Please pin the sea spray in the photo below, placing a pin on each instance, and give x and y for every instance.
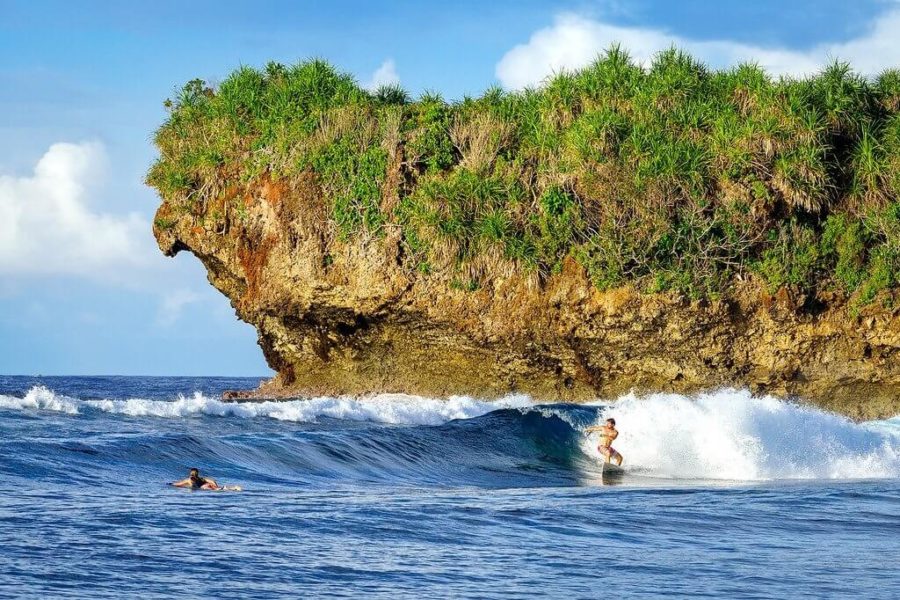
(398, 409)
(731, 434)
(41, 398)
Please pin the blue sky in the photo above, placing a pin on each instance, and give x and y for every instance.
(83, 289)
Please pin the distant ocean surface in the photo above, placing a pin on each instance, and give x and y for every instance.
(725, 495)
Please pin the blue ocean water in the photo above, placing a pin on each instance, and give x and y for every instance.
(724, 495)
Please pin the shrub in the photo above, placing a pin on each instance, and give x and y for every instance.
(673, 176)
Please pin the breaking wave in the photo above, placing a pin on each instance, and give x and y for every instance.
(382, 408)
(730, 434)
(724, 435)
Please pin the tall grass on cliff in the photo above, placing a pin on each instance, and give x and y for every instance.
(669, 176)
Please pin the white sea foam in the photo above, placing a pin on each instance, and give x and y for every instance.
(40, 398)
(381, 408)
(730, 434)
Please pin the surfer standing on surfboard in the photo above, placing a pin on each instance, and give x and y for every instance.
(608, 433)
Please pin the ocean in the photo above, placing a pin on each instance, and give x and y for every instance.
(724, 495)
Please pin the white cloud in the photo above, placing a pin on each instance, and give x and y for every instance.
(173, 304)
(47, 225)
(50, 227)
(574, 41)
(386, 74)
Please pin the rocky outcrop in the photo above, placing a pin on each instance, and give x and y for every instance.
(354, 317)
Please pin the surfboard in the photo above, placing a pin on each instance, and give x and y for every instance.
(612, 469)
(611, 474)
(224, 488)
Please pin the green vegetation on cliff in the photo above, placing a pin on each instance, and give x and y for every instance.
(672, 176)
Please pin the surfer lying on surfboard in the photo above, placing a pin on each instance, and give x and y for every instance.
(195, 482)
(608, 433)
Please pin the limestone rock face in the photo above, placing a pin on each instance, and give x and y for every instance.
(354, 316)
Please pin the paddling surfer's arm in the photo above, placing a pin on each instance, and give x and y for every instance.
(182, 483)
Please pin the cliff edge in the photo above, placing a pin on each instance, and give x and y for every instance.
(689, 230)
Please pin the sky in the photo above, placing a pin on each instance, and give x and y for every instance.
(84, 289)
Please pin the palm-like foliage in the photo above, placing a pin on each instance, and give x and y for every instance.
(669, 176)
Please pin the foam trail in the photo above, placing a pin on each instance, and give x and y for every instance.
(732, 435)
(381, 408)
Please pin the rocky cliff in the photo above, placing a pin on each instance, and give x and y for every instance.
(336, 318)
(667, 227)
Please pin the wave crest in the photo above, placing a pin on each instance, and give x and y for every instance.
(731, 434)
(41, 398)
(722, 435)
(399, 409)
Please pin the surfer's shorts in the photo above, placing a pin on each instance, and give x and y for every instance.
(608, 450)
